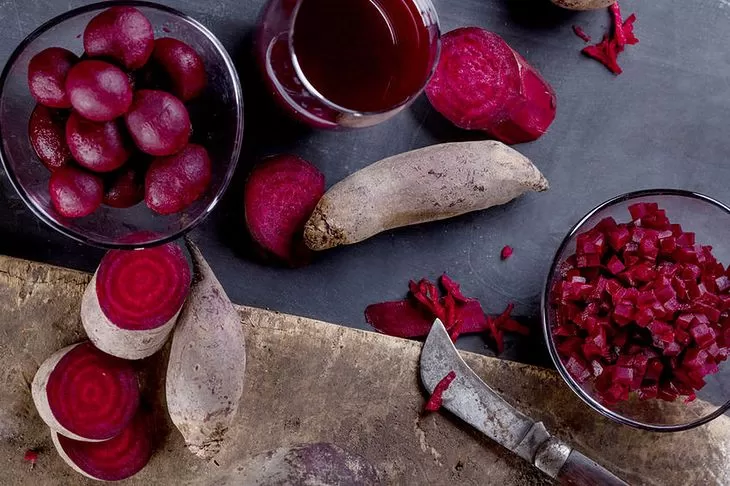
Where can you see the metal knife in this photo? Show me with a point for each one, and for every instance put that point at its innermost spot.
(473, 401)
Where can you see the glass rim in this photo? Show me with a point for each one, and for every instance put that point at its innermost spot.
(428, 7)
(545, 304)
(79, 235)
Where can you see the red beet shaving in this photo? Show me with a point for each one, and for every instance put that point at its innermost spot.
(606, 52)
(31, 456)
(581, 33)
(506, 252)
(436, 399)
(641, 308)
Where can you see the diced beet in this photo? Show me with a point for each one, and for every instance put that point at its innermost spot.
(120, 33)
(75, 193)
(125, 187)
(158, 122)
(641, 210)
(97, 146)
(99, 91)
(47, 133)
(182, 66)
(590, 243)
(47, 72)
(686, 240)
(623, 313)
(175, 182)
(614, 265)
(506, 252)
(703, 335)
(577, 369)
(619, 237)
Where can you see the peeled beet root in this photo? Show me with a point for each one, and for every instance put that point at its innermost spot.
(124, 188)
(279, 198)
(182, 66)
(97, 146)
(113, 460)
(120, 33)
(85, 394)
(74, 192)
(480, 83)
(132, 303)
(47, 73)
(173, 183)
(99, 91)
(158, 122)
(46, 130)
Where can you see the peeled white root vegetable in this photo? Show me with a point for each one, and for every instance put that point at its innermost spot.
(583, 4)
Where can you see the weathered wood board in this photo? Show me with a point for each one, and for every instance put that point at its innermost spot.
(309, 381)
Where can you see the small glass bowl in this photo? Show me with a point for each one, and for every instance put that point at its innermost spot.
(217, 117)
(710, 220)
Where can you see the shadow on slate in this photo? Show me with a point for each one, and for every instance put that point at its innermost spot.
(438, 127)
(538, 14)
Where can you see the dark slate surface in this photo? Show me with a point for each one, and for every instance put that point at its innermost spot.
(662, 123)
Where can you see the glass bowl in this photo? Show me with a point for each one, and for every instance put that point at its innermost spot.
(710, 220)
(217, 117)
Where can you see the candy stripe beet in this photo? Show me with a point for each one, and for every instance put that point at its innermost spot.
(85, 394)
(113, 460)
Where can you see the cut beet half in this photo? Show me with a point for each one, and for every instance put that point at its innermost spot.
(132, 303)
(119, 458)
(85, 394)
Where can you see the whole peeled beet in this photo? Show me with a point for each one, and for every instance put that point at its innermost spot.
(97, 146)
(99, 91)
(47, 73)
(74, 192)
(124, 188)
(173, 183)
(158, 122)
(182, 67)
(46, 130)
(123, 34)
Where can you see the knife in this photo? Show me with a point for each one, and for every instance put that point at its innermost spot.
(473, 401)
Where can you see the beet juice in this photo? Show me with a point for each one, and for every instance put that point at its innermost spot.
(347, 62)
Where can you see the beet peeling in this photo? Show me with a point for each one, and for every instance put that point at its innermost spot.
(642, 308)
(436, 399)
(606, 52)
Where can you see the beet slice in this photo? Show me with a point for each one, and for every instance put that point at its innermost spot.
(279, 198)
(99, 91)
(75, 193)
(97, 146)
(480, 83)
(47, 72)
(120, 33)
(183, 68)
(158, 122)
(47, 133)
(113, 460)
(173, 183)
(405, 319)
(85, 394)
(125, 187)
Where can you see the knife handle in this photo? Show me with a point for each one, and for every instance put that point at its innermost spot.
(579, 470)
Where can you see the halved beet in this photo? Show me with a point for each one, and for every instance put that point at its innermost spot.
(113, 460)
(85, 394)
(158, 122)
(182, 67)
(47, 133)
(75, 193)
(120, 33)
(125, 187)
(97, 146)
(279, 198)
(173, 183)
(480, 83)
(99, 91)
(47, 73)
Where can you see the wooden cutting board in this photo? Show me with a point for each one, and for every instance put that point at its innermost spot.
(310, 381)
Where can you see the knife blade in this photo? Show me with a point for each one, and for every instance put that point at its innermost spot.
(474, 402)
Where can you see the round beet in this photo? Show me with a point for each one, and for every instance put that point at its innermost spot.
(75, 193)
(124, 188)
(47, 73)
(120, 33)
(173, 183)
(183, 67)
(46, 130)
(97, 146)
(158, 122)
(99, 91)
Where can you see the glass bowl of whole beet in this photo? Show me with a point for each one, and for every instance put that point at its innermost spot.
(636, 309)
(215, 113)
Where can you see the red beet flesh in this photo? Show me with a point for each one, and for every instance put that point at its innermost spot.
(158, 122)
(173, 183)
(279, 198)
(142, 289)
(183, 67)
(124, 188)
(506, 252)
(640, 307)
(480, 83)
(97, 146)
(92, 394)
(47, 132)
(98, 91)
(120, 33)
(74, 192)
(436, 399)
(606, 52)
(47, 73)
(113, 460)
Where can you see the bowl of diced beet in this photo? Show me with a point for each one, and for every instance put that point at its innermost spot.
(636, 309)
(121, 123)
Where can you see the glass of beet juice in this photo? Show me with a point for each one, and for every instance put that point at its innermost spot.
(347, 63)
